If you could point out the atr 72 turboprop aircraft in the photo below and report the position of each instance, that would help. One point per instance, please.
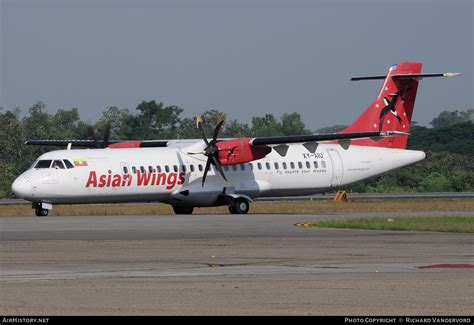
(232, 172)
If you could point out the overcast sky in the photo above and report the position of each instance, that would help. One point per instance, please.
(245, 58)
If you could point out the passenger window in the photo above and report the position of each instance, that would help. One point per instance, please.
(158, 168)
(192, 168)
(234, 167)
(284, 165)
(142, 169)
(259, 165)
(315, 164)
(150, 169)
(292, 165)
(242, 167)
(175, 168)
(308, 165)
(183, 168)
(226, 168)
(68, 164)
(125, 169)
(323, 164)
(134, 169)
(167, 168)
(268, 165)
(200, 167)
(276, 166)
(58, 164)
(300, 165)
(250, 166)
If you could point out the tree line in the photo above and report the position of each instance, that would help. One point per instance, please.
(448, 143)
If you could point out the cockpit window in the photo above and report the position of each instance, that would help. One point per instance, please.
(33, 164)
(68, 164)
(43, 164)
(58, 164)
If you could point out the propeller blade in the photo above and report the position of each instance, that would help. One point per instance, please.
(216, 130)
(105, 144)
(206, 169)
(218, 167)
(91, 133)
(201, 131)
(211, 151)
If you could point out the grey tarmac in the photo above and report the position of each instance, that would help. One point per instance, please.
(256, 264)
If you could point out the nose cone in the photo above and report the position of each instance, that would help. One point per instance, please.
(21, 187)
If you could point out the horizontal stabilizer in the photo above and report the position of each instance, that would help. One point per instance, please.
(409, 76)
(425, 75)
(368, 78)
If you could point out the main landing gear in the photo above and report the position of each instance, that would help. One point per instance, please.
(183, 210)
(238, 206)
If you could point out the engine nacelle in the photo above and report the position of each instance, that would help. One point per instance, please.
(238, 151)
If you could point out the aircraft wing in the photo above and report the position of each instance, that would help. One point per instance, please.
(269, 141)
(98, 143)
(321, 137)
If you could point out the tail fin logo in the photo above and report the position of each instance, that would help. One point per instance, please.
(396, 97)
(389, 107)
(390, 104)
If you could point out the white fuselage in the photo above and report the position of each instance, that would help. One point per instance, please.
(172, 176)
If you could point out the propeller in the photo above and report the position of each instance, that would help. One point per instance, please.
(211, 151)
(104, 143)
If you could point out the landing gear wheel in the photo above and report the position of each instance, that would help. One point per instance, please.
(41, 212)
(239, 206)
(231, 208)
(183, 210)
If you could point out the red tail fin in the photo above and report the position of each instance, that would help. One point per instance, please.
(392, 109)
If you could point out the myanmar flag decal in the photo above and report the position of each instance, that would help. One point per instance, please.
(78, 162)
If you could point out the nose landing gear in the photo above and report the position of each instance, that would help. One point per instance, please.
(42, 208)
(41, 212)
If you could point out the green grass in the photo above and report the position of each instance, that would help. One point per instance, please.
(438, 224)
(308, 206)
